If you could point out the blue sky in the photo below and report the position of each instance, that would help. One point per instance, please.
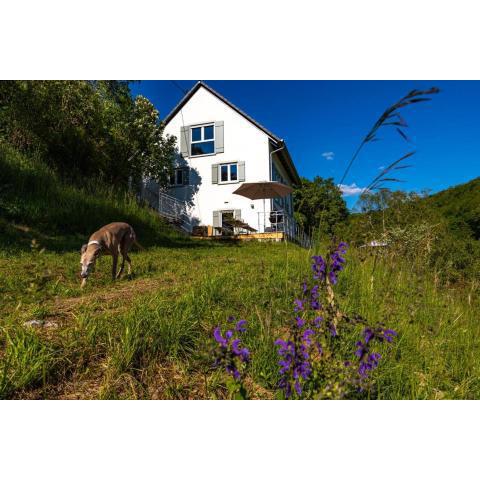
(323, 122)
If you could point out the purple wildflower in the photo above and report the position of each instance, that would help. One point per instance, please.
(389, 334)
(370, 363)
(298, 305)
(362, 350)
(294, 363)
(368, 335)
(229, 352)
(240, 326)
(368, 360)
(319, 268)
(300, 322)
(218, 337)
(337, 262)
(314, 298)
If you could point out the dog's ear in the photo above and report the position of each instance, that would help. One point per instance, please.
(83, 249)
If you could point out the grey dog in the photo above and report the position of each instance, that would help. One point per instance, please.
(112, 239)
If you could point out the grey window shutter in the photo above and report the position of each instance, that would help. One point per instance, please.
(186, 176)
(215, 173)
(219, 137)
(241, 171)
(184, 141)
(216, 218)
(237, 214)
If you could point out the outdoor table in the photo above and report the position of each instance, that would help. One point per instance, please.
(240, 225)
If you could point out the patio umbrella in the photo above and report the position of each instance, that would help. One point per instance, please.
(263, 190)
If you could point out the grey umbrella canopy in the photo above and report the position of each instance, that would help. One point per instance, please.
(263, 190)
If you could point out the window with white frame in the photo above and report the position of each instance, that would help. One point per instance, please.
(202, 140)
(228, 172)
(179, 177)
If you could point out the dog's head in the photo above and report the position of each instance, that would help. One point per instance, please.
(88, 256)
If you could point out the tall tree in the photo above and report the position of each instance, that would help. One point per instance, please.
(318, 203)
(90, 128)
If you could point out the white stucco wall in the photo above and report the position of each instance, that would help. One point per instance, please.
(243, 142)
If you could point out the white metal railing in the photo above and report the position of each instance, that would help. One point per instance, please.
(167, 206)
(279, 221)
(171, 207)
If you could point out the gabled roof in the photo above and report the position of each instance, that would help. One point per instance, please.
(278, 142)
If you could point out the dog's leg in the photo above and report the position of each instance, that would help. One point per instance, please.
(114, 266)
(122, 266)
(129, 263)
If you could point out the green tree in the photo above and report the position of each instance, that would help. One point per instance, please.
(86, 128)
(153, 151)
(318, 203)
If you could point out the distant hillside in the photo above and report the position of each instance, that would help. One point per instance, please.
(460, 205)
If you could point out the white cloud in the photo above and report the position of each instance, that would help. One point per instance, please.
(328, 155)
(350, 190)
(381, 167)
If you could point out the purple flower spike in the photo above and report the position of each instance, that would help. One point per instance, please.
(229, 352)
(319, 267)
(218, 337)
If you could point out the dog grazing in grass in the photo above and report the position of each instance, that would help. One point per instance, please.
(112, 239)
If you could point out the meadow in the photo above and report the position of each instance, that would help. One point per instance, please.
(149, 336)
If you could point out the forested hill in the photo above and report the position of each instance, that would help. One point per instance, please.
(460, 205)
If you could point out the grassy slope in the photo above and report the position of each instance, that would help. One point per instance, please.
(147, 336)
(36, 204)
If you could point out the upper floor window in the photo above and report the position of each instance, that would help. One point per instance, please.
(228, 173)
(202, 140)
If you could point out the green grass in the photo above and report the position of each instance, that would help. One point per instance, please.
(149, 336)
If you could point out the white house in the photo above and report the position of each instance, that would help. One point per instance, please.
(219, 148)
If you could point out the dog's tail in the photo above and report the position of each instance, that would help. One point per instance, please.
(134, 239)
(138, 245)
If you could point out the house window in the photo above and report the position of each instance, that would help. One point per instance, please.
(229, 173)
(202, 140)
(179, 177)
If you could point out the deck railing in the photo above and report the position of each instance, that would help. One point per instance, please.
(279, 221)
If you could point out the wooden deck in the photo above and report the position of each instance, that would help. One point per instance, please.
(269, 236)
